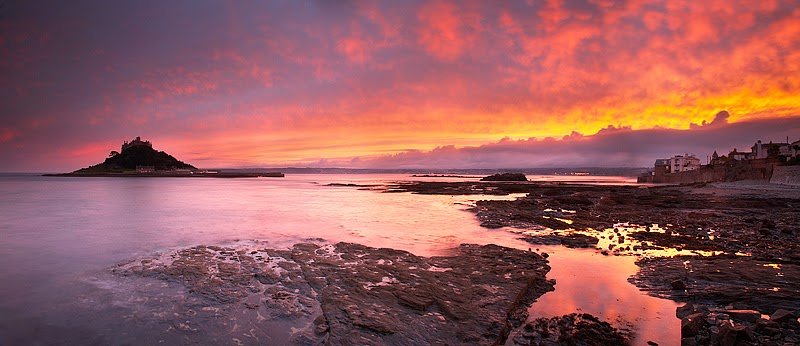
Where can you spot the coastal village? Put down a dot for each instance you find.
(774, 162)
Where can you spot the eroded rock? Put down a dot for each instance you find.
(570, 240)
(717, 326)
(742, 281)
(572, 329)
(378, 296)
(348, 293)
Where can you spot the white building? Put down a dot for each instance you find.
(683, 163)
(739, 155)
(765, 150)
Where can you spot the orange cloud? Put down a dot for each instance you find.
(337, 80)
(447, 31)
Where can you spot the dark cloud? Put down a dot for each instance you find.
(720, 119)
(610, 147)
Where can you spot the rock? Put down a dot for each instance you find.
(378, 296)
(737, 281)
(492, 224)
(320, 325)
(731, 335)
(685, 310)
(416, 300)
(781, 316)
(572, 240)
(678, 285)
(692, 324)
(348, 293)
(572, 329)
(733, 327)
(750, 316)
(577, 240)
(505, 177)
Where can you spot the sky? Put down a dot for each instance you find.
(395, 84)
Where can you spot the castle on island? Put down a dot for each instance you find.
(135, 143)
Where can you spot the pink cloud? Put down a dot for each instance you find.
(7, 134)
(447, 30)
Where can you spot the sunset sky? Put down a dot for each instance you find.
(411, 84)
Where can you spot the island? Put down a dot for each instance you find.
(505, 177)
(137, 158)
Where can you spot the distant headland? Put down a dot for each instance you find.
(137, 158)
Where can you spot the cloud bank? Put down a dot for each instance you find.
(610, 147)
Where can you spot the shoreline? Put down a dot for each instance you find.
(726, 248)
(631, 222)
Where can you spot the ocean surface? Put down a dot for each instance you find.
(59, 235)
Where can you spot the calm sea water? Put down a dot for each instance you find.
(56, 234)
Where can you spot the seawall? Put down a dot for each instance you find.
(786, 175)
(734, 171)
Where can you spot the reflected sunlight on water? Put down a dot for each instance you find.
(58, 231)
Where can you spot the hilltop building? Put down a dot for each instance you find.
(739, 155)
(135, 143)
(763, 151)
(683, 163)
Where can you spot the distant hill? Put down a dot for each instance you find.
(136, 156)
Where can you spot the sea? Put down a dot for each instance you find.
(60, 235)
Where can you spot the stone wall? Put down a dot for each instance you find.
(786, 175)
(734, 171)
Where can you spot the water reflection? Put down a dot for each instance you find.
(56, 232)
(587, 281)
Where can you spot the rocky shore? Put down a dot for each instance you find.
(348, 293)
(721, 246)
(572, 329)
(731, 254)
(701, 325)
